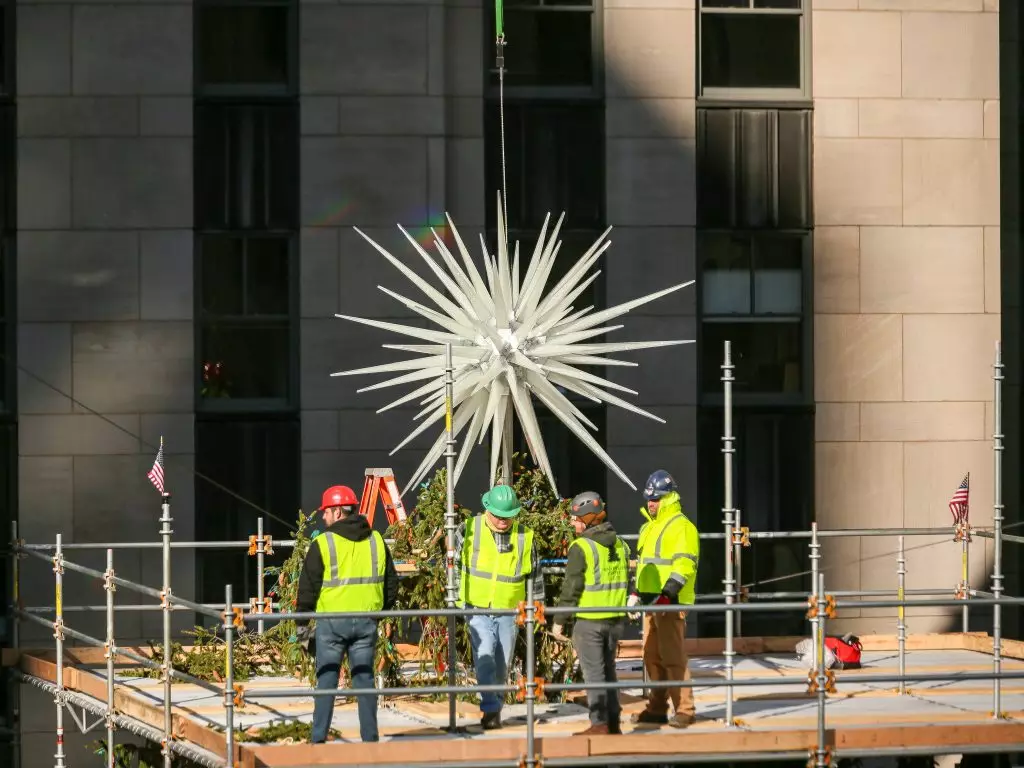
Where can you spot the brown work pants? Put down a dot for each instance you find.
(665, 659)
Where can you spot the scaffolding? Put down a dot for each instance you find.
(819, 606)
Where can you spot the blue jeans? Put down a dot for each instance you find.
(493, 639)
(336, 638)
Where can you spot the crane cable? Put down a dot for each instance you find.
(499, 61)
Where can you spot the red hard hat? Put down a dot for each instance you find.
(339, 496)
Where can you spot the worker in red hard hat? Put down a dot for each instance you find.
(348, 568)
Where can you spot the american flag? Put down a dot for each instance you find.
(156, 474)
(960, 504)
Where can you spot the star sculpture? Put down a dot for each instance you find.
(510, 340)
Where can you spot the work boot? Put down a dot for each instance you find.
(679, 720)
(646, 717)
(491, 721)
(601, 729)
(614, 726)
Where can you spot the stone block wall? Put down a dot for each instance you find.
(104, 288)
(906, 194)
(650, 125)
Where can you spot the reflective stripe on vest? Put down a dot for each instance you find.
(491, 579)
(353, 573)
(605, 580)
(654, 567)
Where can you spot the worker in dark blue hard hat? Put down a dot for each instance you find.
(666, 574)
(596, 576)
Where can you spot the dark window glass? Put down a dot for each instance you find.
(5, 52)
(547, 47)
(246, 339)
(773, 486)
(554, 160)
(243, 467)
(242, 44)
(246, 160)
(8, 168)
(573, 464)
(751, 274)
(750, 50)
(768, 356)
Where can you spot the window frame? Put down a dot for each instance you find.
(595, 91)
(211, 405)
(800, 95)
(290, 89)
(805, 397)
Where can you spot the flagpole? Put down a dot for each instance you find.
(965, 559)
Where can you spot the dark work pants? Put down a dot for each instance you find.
(596, 642)
(336, 638)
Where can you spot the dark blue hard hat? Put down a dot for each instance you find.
(658, 484)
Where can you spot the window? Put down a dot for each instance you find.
(243, 466)
(773, 487)
(246, 161)
(246, 318)
(244, 46)
(754, 168)
(575, 467)
(551, 43)
(753, 294)
(754, 46)
(554, 157)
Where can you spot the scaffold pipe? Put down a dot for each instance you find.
(729, 522)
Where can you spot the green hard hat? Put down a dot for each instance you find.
(501, 501)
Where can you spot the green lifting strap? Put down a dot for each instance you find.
(499, 20)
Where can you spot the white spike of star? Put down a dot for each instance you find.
(510, 342)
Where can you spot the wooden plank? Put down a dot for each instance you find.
(667, 743)
(924, 736)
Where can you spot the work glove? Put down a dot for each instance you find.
(634, 599)
(558, 633)
(662, 600)
(304, 635)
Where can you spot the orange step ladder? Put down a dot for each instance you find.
(380, 481)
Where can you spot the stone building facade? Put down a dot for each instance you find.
(827, 170)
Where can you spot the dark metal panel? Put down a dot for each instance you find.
(754, 168)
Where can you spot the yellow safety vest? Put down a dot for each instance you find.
(490, 579)
(605, 579)
(353, 573)
(669, 547)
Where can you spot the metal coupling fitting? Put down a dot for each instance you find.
(108, 580)
(741, 536)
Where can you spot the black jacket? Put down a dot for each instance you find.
(353, 528)
(576, 565)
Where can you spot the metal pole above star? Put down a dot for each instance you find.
(512, 343)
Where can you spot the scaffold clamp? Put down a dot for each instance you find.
(962, 532)
(830, 607)
(744, 595)
(236, 617)
(538, 614)
(812, 761)
(538, 688)
(239, 697)
(165, 597)
(538, 761)
(961, 591)
(261, 605)
(58, 629)
(264, 544)
(830, 682)
(108, 580)
(741, 536)
(58, 564)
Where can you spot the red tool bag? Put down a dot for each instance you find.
(847, 650)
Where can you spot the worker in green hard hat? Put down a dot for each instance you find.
(496, 558)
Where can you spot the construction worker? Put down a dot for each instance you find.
(668, 551)
(348, 568)
(597, 575)
(496, 559)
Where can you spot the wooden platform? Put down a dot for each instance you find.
(944, 715)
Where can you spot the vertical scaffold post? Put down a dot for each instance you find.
(901, 624)
(229, 678)
(110, 587)
(965, 577)
(449, 525)
(58, 636)
(165, 535)
(815, 558)
(15, 631)
(528, 672)
(728, 520)
(997, 533)
(261, 551)
(822, 757)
